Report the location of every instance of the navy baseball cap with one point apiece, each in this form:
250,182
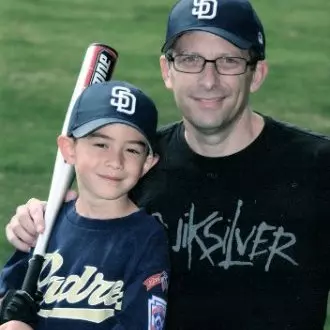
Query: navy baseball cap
233,20
110,103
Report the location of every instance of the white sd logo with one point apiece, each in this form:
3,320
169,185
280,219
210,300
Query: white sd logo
205,9
123,100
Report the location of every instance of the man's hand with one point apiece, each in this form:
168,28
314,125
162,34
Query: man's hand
24,227
18,305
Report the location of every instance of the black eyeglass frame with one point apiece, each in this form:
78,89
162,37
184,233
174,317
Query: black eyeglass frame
248,63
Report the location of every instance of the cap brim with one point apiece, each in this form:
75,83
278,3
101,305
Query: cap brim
92,126
232,38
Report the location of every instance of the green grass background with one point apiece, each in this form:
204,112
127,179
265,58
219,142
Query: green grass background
42,43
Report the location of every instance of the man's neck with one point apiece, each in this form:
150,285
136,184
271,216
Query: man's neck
226,141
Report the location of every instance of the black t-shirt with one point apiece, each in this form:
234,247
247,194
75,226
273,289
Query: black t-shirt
248,233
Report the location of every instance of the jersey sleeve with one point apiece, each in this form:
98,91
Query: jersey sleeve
145,295
13,272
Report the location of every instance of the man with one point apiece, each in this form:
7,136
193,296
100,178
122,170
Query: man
244,197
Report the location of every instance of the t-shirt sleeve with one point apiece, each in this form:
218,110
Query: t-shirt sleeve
13,272
323,208
145,295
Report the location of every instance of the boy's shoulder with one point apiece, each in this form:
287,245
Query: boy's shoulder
145,222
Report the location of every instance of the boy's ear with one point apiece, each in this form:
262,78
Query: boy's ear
66,146
149,163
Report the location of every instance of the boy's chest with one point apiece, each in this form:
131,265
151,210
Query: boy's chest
83,277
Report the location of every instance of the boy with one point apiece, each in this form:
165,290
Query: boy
107,262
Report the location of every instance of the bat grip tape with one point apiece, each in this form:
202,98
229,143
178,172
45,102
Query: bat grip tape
32,275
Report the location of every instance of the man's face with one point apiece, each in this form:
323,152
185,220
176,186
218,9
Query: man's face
208,100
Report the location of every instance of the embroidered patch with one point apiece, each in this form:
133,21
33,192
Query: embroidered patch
156,313
160,278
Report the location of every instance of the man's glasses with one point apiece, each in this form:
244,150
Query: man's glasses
225,65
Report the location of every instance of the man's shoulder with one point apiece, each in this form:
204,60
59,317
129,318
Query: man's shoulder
169,128
168,133
291,135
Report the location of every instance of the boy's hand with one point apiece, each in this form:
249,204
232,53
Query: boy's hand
20,306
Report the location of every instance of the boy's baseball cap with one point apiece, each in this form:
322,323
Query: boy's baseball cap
234,20
114,102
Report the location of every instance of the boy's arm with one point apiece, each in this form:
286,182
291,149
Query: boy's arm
15,325
12,274
145,295
16,304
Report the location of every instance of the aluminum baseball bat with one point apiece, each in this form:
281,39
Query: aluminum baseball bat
97,66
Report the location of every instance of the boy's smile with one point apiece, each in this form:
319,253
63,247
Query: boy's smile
108,163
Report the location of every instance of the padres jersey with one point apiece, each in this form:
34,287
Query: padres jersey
100,274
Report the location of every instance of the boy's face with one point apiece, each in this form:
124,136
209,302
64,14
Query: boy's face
108,162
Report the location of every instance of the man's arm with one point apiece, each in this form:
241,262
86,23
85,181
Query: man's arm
323,209
23,229
28,222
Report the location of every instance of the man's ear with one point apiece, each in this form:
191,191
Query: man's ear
259,75
165,70
67,148
149,163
